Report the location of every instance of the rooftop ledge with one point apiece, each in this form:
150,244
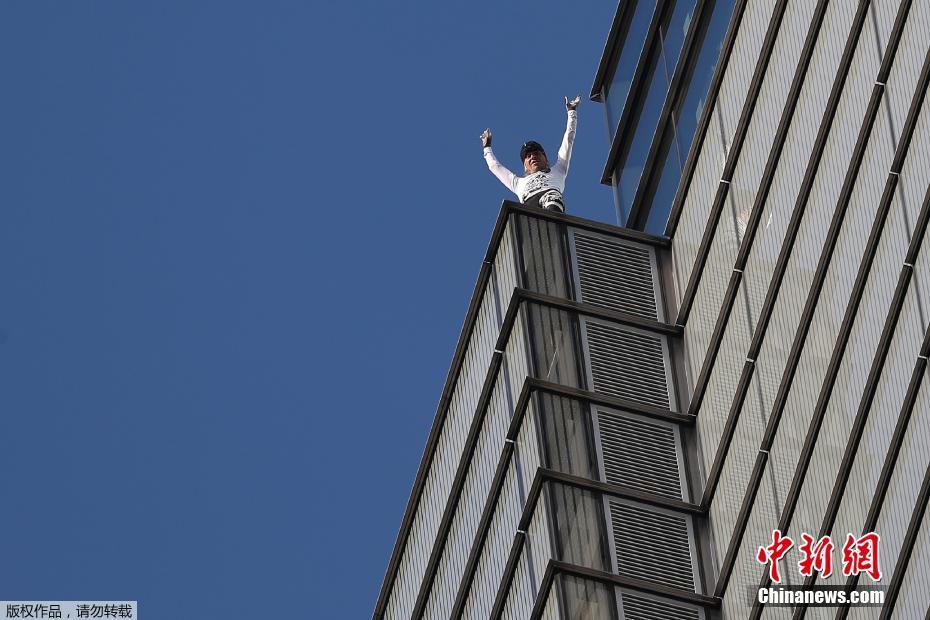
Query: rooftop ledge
629,234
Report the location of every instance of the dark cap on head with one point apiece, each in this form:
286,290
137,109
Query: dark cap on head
529,147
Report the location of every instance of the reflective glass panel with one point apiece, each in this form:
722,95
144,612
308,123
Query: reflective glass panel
685,118
633,44
663,57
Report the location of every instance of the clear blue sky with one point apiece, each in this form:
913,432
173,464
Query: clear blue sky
237,242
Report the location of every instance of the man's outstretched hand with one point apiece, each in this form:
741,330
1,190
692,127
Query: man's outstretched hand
571,105
486,138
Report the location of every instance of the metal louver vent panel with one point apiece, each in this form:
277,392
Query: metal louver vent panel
636,607
628,364
615,275
652,545
639,454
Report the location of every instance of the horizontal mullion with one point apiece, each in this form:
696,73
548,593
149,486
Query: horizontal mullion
615,491
636,584
580,223
613,316
657,413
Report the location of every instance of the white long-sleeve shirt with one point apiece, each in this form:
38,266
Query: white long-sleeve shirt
527,186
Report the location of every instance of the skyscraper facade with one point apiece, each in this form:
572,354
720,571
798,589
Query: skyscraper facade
636,412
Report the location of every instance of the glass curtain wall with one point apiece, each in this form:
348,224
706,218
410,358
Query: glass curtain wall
567,435
659,191
655,124
584,599
636,26
643,107
555,344
543,255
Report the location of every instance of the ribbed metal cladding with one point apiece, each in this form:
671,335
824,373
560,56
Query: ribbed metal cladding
637,607
615,275
652,545
628,364
639,454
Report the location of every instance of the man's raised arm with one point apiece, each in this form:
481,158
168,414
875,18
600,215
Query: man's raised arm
502,173
565,150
